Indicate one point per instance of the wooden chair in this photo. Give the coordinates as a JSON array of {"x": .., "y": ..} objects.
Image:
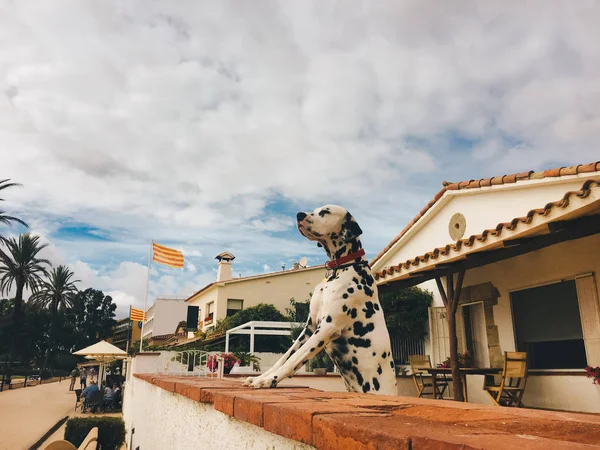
[
  {"x": 512, "y": 381},
  {"x": 423, "y": 380},
  {"x": 78, "y": 398}
]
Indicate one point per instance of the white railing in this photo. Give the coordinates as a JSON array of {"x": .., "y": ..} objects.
[
  {"x": 402, "y": 348},
  {"x": 263, "y": 328}
]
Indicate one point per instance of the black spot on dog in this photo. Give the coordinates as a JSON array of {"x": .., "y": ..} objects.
[
  {"x": 345, "y": 295},
  {"x": 344, "y": 308},
  {"x": 374, "y": 354},
  {"x": 352, "y": 312},
  {"x": 376, "y": 307},
  {"x": 392, "y": 364},
  {"x": 384, "y": 355},
  {"x": 329, "y": 319},
  {"x": 308, "y": 332},
  {"x": 354, "y": 351},
  {"x": 361, "y": 330},
  {"x": 358, "y": 342},
  {"x": 273, "y": 383},
  {"x": 312, "y": 349},
  {"x": 321, "y": 343},
  {"x": 366, "y": 387},
  {"x": 275, "y": 377},
  {"x": 354, "y": 360},
  {"x": 376, "y": 384},
  {"x": 293, "y": 351},
  {"x": 369, "y": 310},
  {"x": 342, "y": 345},
  {"x": 358, "y": 375},
  {"x": 350, "y": 290},
  {"x": 355, "y": 280},
  {"x": 359, "y": 287},
  {"x": 379, "y": 370},
  {"x": 323, "y": 212},
  {"x": 368, "y": 291}
]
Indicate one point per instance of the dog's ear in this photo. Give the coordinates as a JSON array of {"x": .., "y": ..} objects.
[{"x": 351, "y": 229}]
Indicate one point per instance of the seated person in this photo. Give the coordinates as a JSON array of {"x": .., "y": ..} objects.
[
  {"x": 117, "y": 394},
  {"x": 108, "y": 394},
  {"x": 88, "y": 391}
]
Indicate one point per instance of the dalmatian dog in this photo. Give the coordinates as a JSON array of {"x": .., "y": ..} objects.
[{"x": 345, "y": 316}]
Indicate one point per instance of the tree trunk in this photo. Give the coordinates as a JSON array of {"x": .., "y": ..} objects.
[
  {"x": 51, "y": 333},
  {"x": 457, "y": 384},
  {"x": 16, "y": 331}
]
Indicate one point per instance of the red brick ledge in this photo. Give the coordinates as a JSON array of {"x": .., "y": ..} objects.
[{"x": 334, "y": 420}]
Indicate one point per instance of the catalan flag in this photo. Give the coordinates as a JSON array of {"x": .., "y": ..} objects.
[
  {"x": 167, "y": 256},
  {"x": 136, "y": 314}
]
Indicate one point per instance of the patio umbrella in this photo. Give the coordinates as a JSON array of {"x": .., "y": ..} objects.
[{"x": 102, "y": 352}]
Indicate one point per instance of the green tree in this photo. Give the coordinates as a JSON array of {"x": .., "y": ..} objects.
[
  {"x": 298, "y": 311},
  {"x": 93, "y": 316},
  {"x": 57, "y": 291},
  {"x": 406, "y": 311},
  {"x": 5, "y": 218},
  {"x": 21, "y": 267}
]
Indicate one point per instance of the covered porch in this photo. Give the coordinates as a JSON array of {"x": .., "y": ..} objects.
[{"x": 529, "y": 285}]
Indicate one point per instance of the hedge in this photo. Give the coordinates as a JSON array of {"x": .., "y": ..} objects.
[{"x": 111, "y": 431}]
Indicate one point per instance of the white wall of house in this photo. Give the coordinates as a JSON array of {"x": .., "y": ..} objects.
[
  {"x": 276, "y": 289},
  {"x": 164, "y": 316}
]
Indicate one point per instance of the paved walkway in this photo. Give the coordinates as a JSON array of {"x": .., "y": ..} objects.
[{"x": 27, "y": 413}]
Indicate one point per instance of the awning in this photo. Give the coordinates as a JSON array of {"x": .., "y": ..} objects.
[{"x": 575, "y": 216}]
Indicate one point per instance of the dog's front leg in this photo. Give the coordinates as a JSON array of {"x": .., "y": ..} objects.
[
  {"x": 316, "y": 343},
  {"x": 304, "y": 335}
]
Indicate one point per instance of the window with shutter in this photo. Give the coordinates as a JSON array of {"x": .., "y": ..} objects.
[{"x": 587, "y": 294}]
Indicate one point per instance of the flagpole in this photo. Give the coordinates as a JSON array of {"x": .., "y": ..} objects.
[{"x": 146, "y": 296}]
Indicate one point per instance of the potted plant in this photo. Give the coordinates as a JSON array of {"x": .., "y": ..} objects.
[
  {"x": 593, "y": 373},
  {"x": 320, "y": 363},
  {"x": 247, "y": 359},
  {"x": 229, "y": 360},
  {"x": 464, "y": 360}
]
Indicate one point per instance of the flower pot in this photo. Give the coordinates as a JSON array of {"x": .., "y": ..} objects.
[{"x": 320, "y": 371}]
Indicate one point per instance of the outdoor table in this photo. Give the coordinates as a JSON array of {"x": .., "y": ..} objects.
[{"x": 464, "y": 371}]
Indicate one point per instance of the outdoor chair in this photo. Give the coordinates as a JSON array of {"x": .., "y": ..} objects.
[
  {"x": 78, "y": 399},
  {"x": 512, "y": 381},
  {"x": 423, "y": 380},
  {"x": 95, "y": 403}
]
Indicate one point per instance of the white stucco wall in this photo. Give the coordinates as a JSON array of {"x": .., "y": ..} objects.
[{"x": 164, "y": 420}]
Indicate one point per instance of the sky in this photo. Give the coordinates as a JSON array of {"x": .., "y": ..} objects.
[{"x": 207, "y": 125}]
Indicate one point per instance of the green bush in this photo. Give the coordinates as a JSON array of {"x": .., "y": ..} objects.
[{"x": 111, "y": 431}]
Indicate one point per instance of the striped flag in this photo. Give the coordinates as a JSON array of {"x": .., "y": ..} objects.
[
  {"x": 136, "y": 314},
  {"x": 167, "y": 256}
]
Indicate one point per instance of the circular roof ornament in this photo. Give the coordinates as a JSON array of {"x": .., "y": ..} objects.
[{"x": 457, "y": 226}]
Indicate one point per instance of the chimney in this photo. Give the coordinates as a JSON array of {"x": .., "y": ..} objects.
[
  {"x": 296, "y": 266},
  {"x": 224, "y": 269}
]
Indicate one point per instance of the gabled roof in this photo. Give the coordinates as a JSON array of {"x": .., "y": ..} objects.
[
  {"x": 575, "y": 204},
  {"x": 487, "y": 182}
]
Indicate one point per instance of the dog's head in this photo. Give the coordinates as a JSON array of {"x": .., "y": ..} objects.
[{"x": 330, "y": 223}]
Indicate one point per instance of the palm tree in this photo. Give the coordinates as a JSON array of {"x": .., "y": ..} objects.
[
  {"x": 58, "y": 291},
  {"x": 21, "y": 267},
  {"x": 4, "y": 218}
]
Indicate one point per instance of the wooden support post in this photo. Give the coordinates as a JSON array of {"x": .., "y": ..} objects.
[{"x": 450, "y": 297}]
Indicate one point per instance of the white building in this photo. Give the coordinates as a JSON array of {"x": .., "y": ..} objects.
[
  {"x": 525, "y": 248},
  {"x": 227, "y": 295},
  {"x": 163, "y": 316}
]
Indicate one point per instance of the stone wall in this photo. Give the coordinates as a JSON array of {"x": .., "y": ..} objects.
[{"x": 209, "y": 413}]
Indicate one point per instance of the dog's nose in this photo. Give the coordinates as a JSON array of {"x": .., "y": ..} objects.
[{"x": 300, "y": 216}]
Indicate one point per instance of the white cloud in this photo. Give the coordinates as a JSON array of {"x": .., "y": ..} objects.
[{"x": 182, "y": 123}]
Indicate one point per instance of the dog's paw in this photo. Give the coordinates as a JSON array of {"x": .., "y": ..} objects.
[
  {"x": 248, "y": 381},
  {"x": 264, "y": 383}
]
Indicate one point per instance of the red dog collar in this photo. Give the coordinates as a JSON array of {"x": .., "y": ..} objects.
[{"x": 336, "y": 263}]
